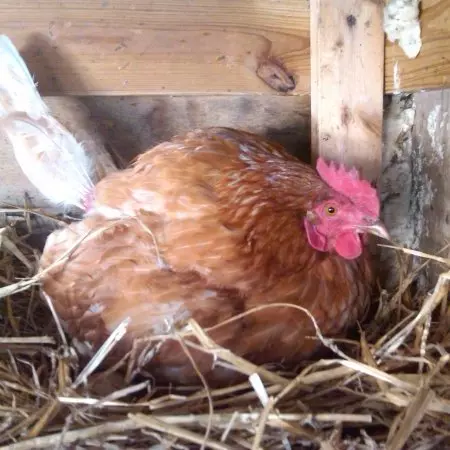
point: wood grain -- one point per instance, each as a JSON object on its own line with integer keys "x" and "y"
{"x": 347, "y": 55}
{"x": 190, "y": 47}
{"x": 414, "y": 186}
{"x": 176, "y": 46}
{"x": 431, "y": 140}
{"x": 431, "y": 68}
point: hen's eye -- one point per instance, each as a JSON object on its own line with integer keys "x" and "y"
{"x": 330, "y": 210}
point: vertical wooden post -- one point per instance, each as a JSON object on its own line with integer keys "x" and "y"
{"x": 347, "y": 72}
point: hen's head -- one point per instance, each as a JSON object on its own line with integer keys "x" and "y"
{"x": 350, "y": 210}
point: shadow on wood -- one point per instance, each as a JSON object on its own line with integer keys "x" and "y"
{"x": 131, "y": 125}
{"x": 44, "y": 60}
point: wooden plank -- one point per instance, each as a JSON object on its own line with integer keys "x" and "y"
{"x": 414, "y": 187}
{"x": 432, "y": 144}
{"x": 347, "y": 45}
{"x": 201, "y": 46}
{"x": 164, "y": 47}
{"x": 131, "y": 125}
{"x": 431, "y": 68}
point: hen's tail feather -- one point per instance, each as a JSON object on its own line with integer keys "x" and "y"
{"x": 51, "y": 158}
{"x": 47, "y": 152}
{"x": 17, "y": 89}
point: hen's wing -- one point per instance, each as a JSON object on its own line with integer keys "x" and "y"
{"x": 187, "y": 183}
{"x": 163, "y": 254}
{"x": 115, "y": 273}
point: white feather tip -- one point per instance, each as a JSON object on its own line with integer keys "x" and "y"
{"x": 17, "y": 88}
{"x": 51, "y": 158}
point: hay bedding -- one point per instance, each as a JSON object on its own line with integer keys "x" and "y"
{"x": 389, "y": 388}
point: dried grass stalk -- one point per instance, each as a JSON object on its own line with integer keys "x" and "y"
{"x": 389, "y": 388}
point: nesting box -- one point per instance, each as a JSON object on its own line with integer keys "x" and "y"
{"x": 319, "y": 77}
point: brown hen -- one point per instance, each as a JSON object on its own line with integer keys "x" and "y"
{"x": 209, "y": 226}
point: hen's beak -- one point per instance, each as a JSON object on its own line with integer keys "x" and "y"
{"x": 377, "y": 228}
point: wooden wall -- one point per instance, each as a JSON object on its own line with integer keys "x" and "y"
{"x": 198, "y": 46}
{"x": 415, "y": 184}
{"x": 130, "y": 125}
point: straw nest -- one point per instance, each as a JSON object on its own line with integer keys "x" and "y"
{"x": 388, "y": 388}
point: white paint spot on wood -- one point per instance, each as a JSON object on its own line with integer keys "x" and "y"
{"x": 397, "y": 80}
{"x": 434, "y": 128}
{"x": 406, "y": 189}
{"x": 402, "y": 24}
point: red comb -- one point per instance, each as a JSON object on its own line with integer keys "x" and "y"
{"x": 348, "y": 183}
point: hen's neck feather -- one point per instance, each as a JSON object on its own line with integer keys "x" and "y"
{"x": 269, "y": 205}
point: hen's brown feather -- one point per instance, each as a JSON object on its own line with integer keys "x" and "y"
{"x": 206, "y": 226}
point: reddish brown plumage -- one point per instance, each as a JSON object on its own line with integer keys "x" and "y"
{"x": 225, "y": 209}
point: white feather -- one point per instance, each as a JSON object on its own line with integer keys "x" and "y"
{"x": 51, "y": 158}
{"x": 46, "y": 151}
{"x": 17, "y": 89}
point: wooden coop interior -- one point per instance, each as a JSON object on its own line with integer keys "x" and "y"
{"x": 318, "y": 76}
{"x": 128, "y": 75}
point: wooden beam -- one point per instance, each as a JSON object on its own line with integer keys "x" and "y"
{"x": 112, "y": 47}
{"x": 347, "y": 55}
{"x": 161, "y": 46}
